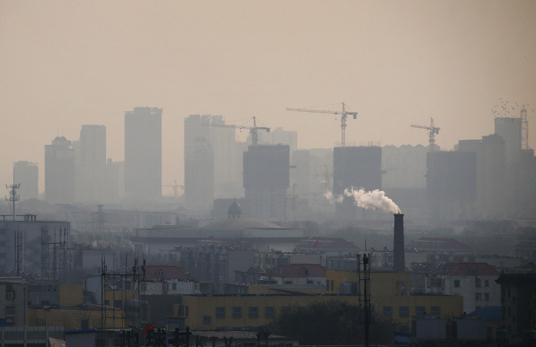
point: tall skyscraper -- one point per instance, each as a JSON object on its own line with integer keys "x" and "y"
{"x": 143, "y": 154}
{"x": 266, "y": 181}
{"x": 509, "y": 128}
{"x": 59, "y": 171}
{"x": 212, "y": 161}
{"x": 27, "y": 175}
{"x": 198, "y": 163}
{"x": 91, "y": 164}
{"x": 451, "y": 184}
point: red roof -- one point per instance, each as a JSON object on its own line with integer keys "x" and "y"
{"x": 300, "y": 270}
{"x": 470, "y": 269}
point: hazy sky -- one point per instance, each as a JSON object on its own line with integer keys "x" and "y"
{"x": 67, "y": 63}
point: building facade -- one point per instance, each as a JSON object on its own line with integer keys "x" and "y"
{"x": 26, "y": 174}
{"x": 60, "y": 171}
{"x": 143, "y": 154}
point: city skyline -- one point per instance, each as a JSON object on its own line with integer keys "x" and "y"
{"x": 260, "y": 69}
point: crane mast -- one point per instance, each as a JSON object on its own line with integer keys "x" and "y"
{"x": 432, "y": 132}
{"x": 344, "y": 113}
{"x": 253, "y": 131}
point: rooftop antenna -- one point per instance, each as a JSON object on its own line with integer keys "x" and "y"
{"x": 13, "y": 197}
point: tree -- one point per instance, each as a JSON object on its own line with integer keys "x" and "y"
{"x": 331, "y": 323}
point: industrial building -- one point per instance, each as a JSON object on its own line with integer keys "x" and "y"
{"x": 143, "y": 154}
{"x": 266, "y": 181}
{"x": 26, "y": 174}
{"x": 358, "y": 167}
{"x": 60, "y": 171}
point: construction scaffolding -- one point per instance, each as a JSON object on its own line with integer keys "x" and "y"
{"x": 112, "y": 281}
{"x": 54, "y": 253}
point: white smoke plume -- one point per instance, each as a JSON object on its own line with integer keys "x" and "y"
{"x": 332, "y": 198}
{"x": 372, "y": 200}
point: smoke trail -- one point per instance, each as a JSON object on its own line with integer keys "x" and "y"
{"x": 372, "y": 200}
{"x": 332, "y": 198}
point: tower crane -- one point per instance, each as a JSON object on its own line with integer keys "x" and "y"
{"x": 253, "y": 131}
{"x": 432, "y": 132}
{"x": 344, "y": 113}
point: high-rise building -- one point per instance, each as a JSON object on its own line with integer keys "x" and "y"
{"x": 266, "y": 181}
{"x": 279, "y": 136}
{"x": 60, "y": 171}
{"x": 212, "y": 161}
{"x": 198, "y": 163}
{"x": 358, "y": 167}
{"x": 115, "y": 183}
{"x": 91, "y": 164}
{"x": 143, "y": 154}
{"x": 26, "y": 174}
{"x": 509, "y": 128}
{"x": 451, "y": 184}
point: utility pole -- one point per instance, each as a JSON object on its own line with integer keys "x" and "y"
{"x": 13, "y": 197}
{"x": 363, "y": 274}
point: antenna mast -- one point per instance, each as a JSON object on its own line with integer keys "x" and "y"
{"x": 13, "y": 197}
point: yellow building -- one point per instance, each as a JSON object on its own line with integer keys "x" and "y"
{"x": 71, "y": 294}
{"x": 73, "y": 318}
{"x": 249, "y": 311}
{"x": 391, "y": 298}
{"x": 242, "y": 311}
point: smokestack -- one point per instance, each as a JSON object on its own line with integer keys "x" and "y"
{"x": 399, "y": 262}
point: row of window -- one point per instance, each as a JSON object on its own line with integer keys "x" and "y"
{"x": 478, "y": 283}
{"x": 252, "y": 312}
{"x": 479, "y": 296}
{"x": 403, "y": 311}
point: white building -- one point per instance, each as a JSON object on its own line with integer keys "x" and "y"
{"x": 475, "y": 282}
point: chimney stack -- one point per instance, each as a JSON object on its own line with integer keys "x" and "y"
{"x": 399, "y": 262}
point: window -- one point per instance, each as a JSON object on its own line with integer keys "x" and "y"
{"x": 117, "y": 303}
{"x": 403, "y": 311}
{"x": 174, "y": 286}
{"x": 237, "y": 312}
{"x": 478, "y": 282}
{"x": 269, "y": 312}
{"x": 436, "y": 311}
{"x": 486, "y": 283}
{"x": 486, "y": 297}
{"x": 253, "y": 312}
{"x": 388, "y": 311}
{"x": 220, "y": 312}
{"x": 456, "y": 283}
{"x": 420, "y": 312}
{"x": 478, "y": 296}
{"x": 183, "y": 311}
{"x": 207, "y": 320}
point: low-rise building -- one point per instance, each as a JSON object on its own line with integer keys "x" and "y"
{"x": 475, "y": 282}
{"x": 13, "y": 301}
{"x": 518, "y": 301}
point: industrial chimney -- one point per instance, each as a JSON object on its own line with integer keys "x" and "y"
{"x": 399, "y": 262}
